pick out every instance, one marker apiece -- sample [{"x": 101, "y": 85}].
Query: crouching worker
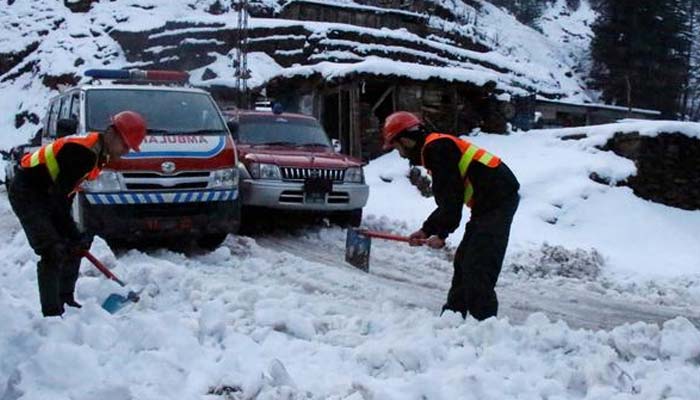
[
  {"x": 41, "y": 194},
  {"x": 462, "y": 174}
]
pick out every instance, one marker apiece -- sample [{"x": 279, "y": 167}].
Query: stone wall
[{"x": 668, "y": 167}]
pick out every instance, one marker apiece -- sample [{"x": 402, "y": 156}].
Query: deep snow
[{"x": 254, "y": 319}]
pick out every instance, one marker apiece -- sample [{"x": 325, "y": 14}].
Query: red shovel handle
[
  {"x": 98, "y": 264},
  {"x": 388, "y": 236}
]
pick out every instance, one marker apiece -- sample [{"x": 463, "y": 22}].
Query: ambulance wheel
[{"x": 78, "y": 211}]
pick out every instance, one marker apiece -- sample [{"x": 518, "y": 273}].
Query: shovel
[
  {"x": 358, "y": 243},
  {"x": 114, "y": 301}
]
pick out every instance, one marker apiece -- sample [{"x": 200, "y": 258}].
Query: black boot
[
  {"x": 52, "y": 312},
  {"x": 69, "y": 300}
]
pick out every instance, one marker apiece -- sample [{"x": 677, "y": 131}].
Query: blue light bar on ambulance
[{"x": 138, "y": 75}]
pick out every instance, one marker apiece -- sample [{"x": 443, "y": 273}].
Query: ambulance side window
[
  {"x": 50, "y": 118},
  {"x": 75, "y": 106},
  {"x": 53, "y": 117},
  {"x": 65, "y": 108},
  {"x": 67, "y": 123}
]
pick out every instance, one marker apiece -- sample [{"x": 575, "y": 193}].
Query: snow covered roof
[{"x": 600, "y": 106}]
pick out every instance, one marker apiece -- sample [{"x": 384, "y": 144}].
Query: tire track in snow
[
  {"x": 424, "y": 276},
  {"x": 330, "y": 253}
]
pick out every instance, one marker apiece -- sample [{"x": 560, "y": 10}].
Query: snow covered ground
[
  {"x": 282, "y": 317},
  {"x": 600, "y": 292}
]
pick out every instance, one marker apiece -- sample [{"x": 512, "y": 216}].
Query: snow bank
[
  {"x": 247, "y": 322},
  {"x": 598, "y": 135},
  {"x": 560, "y": 205}
]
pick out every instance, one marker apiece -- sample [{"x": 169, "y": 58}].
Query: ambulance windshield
[{"x": 166, "y": 111}]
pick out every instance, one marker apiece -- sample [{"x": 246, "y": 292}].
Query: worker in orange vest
[
  {"x": 41, "y": 194},
  {"x": 462, "y": 174}
]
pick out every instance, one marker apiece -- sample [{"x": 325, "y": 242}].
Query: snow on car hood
[{"x": 306, "y": 158}]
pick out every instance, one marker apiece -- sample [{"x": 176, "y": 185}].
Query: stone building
[
  {"x": 339, "y": 66},
  {"x": 555, "y": 113}
]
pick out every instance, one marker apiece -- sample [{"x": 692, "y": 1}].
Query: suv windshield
[
  {"x": 282, "y": 131},
  {"x": 165, "y": 111}
]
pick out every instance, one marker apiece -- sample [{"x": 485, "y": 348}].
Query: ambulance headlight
[
  {"x": 107, "y": 181},
  {"x": 224, "y": 178}
]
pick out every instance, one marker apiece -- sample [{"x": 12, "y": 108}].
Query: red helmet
[
  {"x": 397, "y": 123},
  {"x": 131, "y": 127}
]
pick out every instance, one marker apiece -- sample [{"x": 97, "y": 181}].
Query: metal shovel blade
[
  {"x": 115, "y": 302},
  {"x": 357, "y": 247}
]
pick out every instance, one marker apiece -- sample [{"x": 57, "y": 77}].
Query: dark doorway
[
  {"x": 336, "y": 118},
  {"x": 376, "y": 103}
]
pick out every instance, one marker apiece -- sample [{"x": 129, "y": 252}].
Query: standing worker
[
  {"x": 462, "y": 174},
  {"x": 41, "y": 194}
]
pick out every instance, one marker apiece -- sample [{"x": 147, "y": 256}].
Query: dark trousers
[
  {"x": 478, "y": 262},
  {"x": 47, "y": 223}
]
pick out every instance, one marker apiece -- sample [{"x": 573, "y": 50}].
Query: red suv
[{"x": 287, "y": 162}]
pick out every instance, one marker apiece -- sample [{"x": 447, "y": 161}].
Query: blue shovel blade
[
  {"x": 116, "y": 302},
  {"x": 357, "y": 248}
]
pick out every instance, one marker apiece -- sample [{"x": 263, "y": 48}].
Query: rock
[{"x": 667, "y": 171}]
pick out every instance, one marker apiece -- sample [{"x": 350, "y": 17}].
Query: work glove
[
  {"x": 417, "y": 238},
  {"x": 435, "y": 242}
]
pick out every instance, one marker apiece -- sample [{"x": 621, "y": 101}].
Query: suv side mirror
[
  {"x": 233, "y": 127},
  {"x": 337, "y": 146},
  {"x": 66, "y": 126}
]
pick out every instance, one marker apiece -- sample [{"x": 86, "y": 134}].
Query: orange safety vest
[
  {"x": 470, "y": 153},
  {"x": 47, "y": 155}
]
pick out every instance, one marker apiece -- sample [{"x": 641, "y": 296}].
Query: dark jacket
[
  {"x": 34, "y": 185},
  {"x": 74, "y": 162},
  {"x": 491, "y": 187}
]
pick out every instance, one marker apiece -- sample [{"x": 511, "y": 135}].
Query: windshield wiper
[
  {"x": 313, "y": 145},
  {"x": 156, "y": 131},
  {"x": 281, "y": 143},
  {"x": 201, "y": 132}
]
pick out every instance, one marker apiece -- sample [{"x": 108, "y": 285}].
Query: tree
[
  {"x": 690, "y": 101},
  {"x": 639, "y": 53}
]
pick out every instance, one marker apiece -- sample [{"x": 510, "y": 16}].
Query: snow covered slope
[{"x": 44, "y": 44}]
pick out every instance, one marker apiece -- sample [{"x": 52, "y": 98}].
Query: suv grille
[
  {"x": 299, "y": 174},
  {"x": 155, "y": 181}
]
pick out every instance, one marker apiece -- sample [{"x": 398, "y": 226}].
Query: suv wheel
[
  {"x": 347, "y": 218},
  {"x": 211, "y": 241}
]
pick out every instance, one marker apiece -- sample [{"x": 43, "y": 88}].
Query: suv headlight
[
  {"x": 224, "y": 178},
  {"x": 354, "y": 175},
  {"x": 107, "y": 181},
  {"x": 264, "y": 171}
]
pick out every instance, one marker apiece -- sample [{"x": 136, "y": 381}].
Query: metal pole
[{"x": 242, "y": 73}]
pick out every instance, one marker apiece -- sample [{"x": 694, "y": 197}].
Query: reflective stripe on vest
[
  {"x": 470, "y": 152},
  {"x": 47, "y": 154}
]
